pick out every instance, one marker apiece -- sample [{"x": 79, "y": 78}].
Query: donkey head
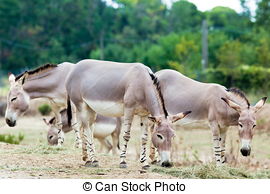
[
  {"x": 17, "y": 100},
  {"x": 163, "y": 134},
  {"x": 53, "y": 131},
  {"x": 246, "y": 122}
]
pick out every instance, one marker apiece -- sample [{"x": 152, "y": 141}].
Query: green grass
[{"x": 210, "y": 171}]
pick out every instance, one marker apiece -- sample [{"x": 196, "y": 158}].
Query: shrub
[
  {"x": 44, "y": 109},
  {"x": 12, "y": 139},
  {"x": 247, "y": 78}
]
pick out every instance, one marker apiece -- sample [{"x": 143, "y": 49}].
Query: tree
[
  {"x": 184, "y": 16},
  {"x": 263, "y": 13}
]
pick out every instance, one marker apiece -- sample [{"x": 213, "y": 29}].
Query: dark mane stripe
[
  {"x": 156, "y": 83},
  {"x": 239, "y": 93},
  {"x": 37, "y": 70}
]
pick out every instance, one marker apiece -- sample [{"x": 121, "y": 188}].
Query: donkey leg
[
  {"x": 86, "y": 118},
  {"x": 128, "y": 117},
  {"x": 88, "y": 133},
  {"x": 115, "y": 137},
  {"x": 84, "y": 145},
  {"x": 222, "y": 145},
  {"x": 152, "y": 154},
  {"x": 115, "y": 143},
  {"x": 61, "y": 137},
  {"x": 216, "y": 141},
  {"x": 101, "y": 142},
  {"x": 144, "y": 137},
  {"x": 76, "y": 128},
  {"x": 78, "y": 140},
  {"x": 104, "y": 143},
  {"x": 108, "y": 145}
]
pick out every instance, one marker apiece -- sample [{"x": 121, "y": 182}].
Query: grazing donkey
[
  {"x": 104, "y": 126},
  {"x": 220, "y": 106},
  {"x": 47, "y": 81},
  {"x": 119, "y": 89}
]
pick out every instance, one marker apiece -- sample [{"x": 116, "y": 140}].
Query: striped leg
[
  {"x": 216, "y": 142},
  {"x": 144, "y": 137},
  {"x": 76, "y": 127},
  {"x": 126, "y": 136},
  {"x": 84, "y": 148},
  {"x": 78, "y": 141},
  {"x": 86, "y": 118},
  {"x": 222, "y": 145},
  {"x": 152, "y": 155},
  {"x": 61, "y": 138},
  {"x": 90, "y": 146}
]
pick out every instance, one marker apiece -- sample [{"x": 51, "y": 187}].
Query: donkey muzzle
[{"x": 166, "y": 164}]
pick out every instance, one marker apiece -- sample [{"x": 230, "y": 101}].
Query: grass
[{"x": 210, "y": 171}]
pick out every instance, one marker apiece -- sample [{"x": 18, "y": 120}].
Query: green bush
[
  {"x": 44, "y": 109},
  {"x": 12, "y": 139},
  {"x": 247, "y": 78}
]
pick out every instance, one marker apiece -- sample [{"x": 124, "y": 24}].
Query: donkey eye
[
  {"x": 254, "y": 126},
  {"x": 13, "y": 99},
  {"x": 160, "y": 136},
  {"x": 240, "y": 125}
]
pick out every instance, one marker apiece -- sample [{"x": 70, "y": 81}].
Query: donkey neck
[
  {"x": 46, "y": 85},
  {"x": 153, "y": 103}
]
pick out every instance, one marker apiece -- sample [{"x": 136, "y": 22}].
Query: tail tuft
[{"x": 69, "y": 111}]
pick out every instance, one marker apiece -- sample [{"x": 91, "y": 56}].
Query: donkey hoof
[
  {"x": 94, "y": 164},
  {"x": 123, "y": 165},
  {"x": 146, "y": 167},
  {"x": 85, "y": 158},
  {"x": 154, "y": 162},
  {"x": 88, "y": 164}
]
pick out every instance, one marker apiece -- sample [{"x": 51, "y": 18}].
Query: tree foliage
[{"x": 36, "y": 32}]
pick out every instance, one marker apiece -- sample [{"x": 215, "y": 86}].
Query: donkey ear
[
  {"x": 22, "y": 79},
  {"x": 260, "y": 104},
  {"x": 45, "y": 121},
  {"x": 11, "y": 79},
  {"x": 52, "y": 121},
  {"x": 179, "y": 116},
  {"x": 232, "y": 104},
  {"x": 155, "y": 119}
]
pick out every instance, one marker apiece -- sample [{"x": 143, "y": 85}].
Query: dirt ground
[{"x": 33, "y": 158}]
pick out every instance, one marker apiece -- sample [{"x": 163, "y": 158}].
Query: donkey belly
[
  {"x": 107, "y": 108},
  {"x": 102, "y": 130}
]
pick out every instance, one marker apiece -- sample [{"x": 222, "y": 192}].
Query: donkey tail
[{"x": 69, "y": 111}]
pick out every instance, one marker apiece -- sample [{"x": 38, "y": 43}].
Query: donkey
[
  {"x": 47, "y": 82},
  {"x": 220, "y": 106},
  {"x": 104, "y": 126},
  {"x": 113, "y": 89}
]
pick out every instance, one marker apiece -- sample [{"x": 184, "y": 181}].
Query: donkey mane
[
  {"x": 160, "y": 96},
  {"x": 38, "y": 70},
  {"x": 239, "y": 93}
]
